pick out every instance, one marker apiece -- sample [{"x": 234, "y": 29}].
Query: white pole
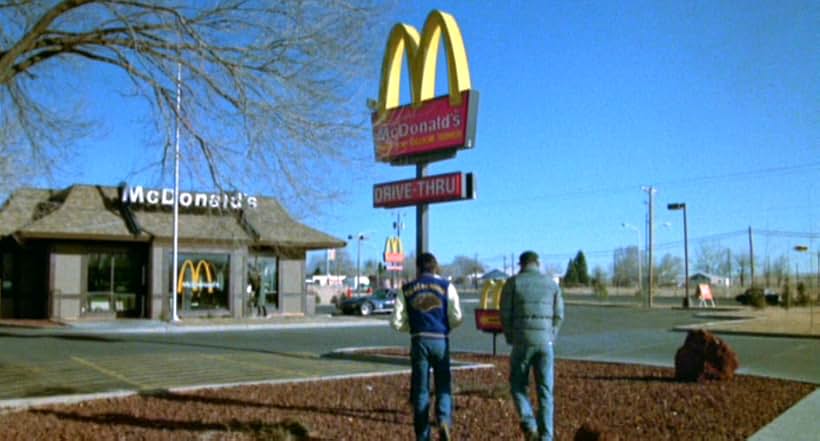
[{"x": 175, "y": 264}]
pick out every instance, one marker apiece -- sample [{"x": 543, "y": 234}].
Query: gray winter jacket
[{"x": 532, "y": 308}]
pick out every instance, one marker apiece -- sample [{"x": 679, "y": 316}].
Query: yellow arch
[
  {"x": 422, "y": 57},
  {"x": 393, "y": 245},
  {"x": 491, "y": 294},
  {"x": 195, "y": 275}
]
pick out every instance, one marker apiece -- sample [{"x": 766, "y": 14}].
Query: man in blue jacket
[
  {"x": 428, "y": 308},
  {"x": 532, "y": 309}
]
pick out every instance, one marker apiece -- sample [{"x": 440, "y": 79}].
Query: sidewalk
[{"x": 143, "y": 326}]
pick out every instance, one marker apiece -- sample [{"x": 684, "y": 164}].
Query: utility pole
[
  {"x": 751, "y": 259},
  {"x": 650, "y": 243}
]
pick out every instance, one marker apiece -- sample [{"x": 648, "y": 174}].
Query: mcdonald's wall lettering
[{"x": 429, "y": 128}]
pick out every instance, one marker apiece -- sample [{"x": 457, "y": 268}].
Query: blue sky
[{"x": 715, "y": 104}]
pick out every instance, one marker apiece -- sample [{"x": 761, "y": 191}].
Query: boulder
[
  {"x": 705, "y": 357},
  {"x": 594, "y": 432}
]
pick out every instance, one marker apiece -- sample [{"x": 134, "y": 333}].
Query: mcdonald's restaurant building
[{"x": 97, "y": 252}]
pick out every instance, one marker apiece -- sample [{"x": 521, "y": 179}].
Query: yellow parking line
[
  {"x": 109, "y": 372},
  {"x": 254, "y": 365}
]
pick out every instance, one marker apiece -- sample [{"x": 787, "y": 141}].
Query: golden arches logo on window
[
  {"x": 422, "y": 59},
  {"x": 195, "y": 283}
]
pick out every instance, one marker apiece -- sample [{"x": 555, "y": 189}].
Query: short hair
[
  {"x": 427, "y": 263},
  {"x": 527, "y": 257}
]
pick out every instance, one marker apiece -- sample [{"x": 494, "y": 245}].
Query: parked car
[
  {"x": 383, "y": 300},
  {"x": 770, "y": 296}
]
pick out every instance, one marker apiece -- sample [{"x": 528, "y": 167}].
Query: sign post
[{"x": 429, "y": 128}]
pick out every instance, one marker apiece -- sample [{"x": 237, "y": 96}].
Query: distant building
[
  {"x": 712, "y": 279},
  {"x": 495, "y": 274}
]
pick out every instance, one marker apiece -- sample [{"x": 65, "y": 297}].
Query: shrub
[
  {"x": 787, "y": 296},
  {"x": 801, "y": 299},
  {"x": 600, "y": 290},
  {"x": 756, "y": 297}
]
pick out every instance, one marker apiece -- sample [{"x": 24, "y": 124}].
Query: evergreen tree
[
  {"x": 571, "y": 276},
  {"x": 581, "y": 270}
]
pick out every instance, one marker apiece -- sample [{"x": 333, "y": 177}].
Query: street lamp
[
  {"x": 805, "y": 249},
  {"x": 682, "y": 206},
  {"x": 640, "y": 264},
  {"x": 359, "y": 238}
]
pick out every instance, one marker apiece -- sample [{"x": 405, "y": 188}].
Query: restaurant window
[
  {"x": 263, "y": 279},
  {"x": 114, "y": 281},
  {"x": 202, "y": 281},
  {"x": 7, "y": 293}
]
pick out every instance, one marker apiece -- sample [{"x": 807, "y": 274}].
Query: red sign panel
[
  {"x": 488, "y": 320},
  {"x": 439, "y": 188},
  {"x": 411, "y": 133}
]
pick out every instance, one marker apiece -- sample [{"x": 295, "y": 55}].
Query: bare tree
[
  {"x": 270, "y": 89},
  {"x": 669, "y": 270}
]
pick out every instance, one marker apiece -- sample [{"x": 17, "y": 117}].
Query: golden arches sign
[
  {"x": 196, "y": 275},
  {"x": 422, "y": 57},
  {"x": 393, "y": 250},
  {"x": 429, "y": 128}
]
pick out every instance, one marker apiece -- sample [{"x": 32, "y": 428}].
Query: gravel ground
[{"x": 632, "y": 402}]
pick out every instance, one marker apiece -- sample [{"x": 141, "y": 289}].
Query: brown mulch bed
[{"x": 632, "y": 402}]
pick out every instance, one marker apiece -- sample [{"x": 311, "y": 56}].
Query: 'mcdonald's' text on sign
[
  {"x": 439, "y": 188},
  {"x": 429, "y": 128}
]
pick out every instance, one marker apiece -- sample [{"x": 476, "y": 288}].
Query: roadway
[{"x": 38, "y": 363}]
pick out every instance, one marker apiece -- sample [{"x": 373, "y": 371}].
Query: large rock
[
  {"x": 594, "y": 432},
  {"x": 705, "y": 357}
]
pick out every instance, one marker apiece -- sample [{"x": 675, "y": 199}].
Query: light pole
[
  {"x": 640, "y": 263},
  {"x": 682, "y": 206},
  {"x": 805, "y": 249},
  {"x": 359, "y": 238}
]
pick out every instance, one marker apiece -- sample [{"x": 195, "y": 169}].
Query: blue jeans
[
  {"x": 426, "y": 353},
  {"x": 540, "y": 359}
]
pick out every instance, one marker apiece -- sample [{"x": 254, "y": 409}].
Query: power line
[{"x": 610, "y": 191}]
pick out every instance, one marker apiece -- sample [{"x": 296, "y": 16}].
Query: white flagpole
[{"x": 174, "y": 275}]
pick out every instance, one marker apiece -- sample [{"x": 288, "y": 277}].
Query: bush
[
  {"x": 755, "y": 297},
  {"x": 600, "y": 290},
  {"x": 787, "y": 296},
  {"x": 801, "y": 299}
]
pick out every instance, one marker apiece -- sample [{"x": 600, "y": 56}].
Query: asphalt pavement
[{"x": 88, "y": 360}]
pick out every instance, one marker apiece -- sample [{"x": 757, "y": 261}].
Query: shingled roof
[{"x": 96, "y": 213}]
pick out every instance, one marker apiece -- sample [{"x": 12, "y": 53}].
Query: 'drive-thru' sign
[{"x": 439, "y": 188}]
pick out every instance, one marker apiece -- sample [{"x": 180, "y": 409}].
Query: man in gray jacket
[{"x": 532, "y": 309}]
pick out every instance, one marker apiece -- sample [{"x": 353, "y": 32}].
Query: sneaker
[
  {"x": 444, "y": 432},
  {"x": 531, "y": 435}
]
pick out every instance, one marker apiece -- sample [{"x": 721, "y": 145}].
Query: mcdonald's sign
[
  {"x": 430, "y": 128},
  {"x": 202, "y": 268},
  {"x": 394, "y": 254}
]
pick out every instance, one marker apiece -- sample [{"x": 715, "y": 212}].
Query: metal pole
[
  {"x": 685, "y": 259},
  {"x": 358, "y": 260},
  {"x": 174, "y": 275},
  {"x": 421, "y": 216},
  {"x": 751, "y": 259}
]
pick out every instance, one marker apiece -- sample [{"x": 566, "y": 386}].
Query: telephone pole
[
  {"x": 751, "y": 259},
  {"x": 650, "y": 190}
]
